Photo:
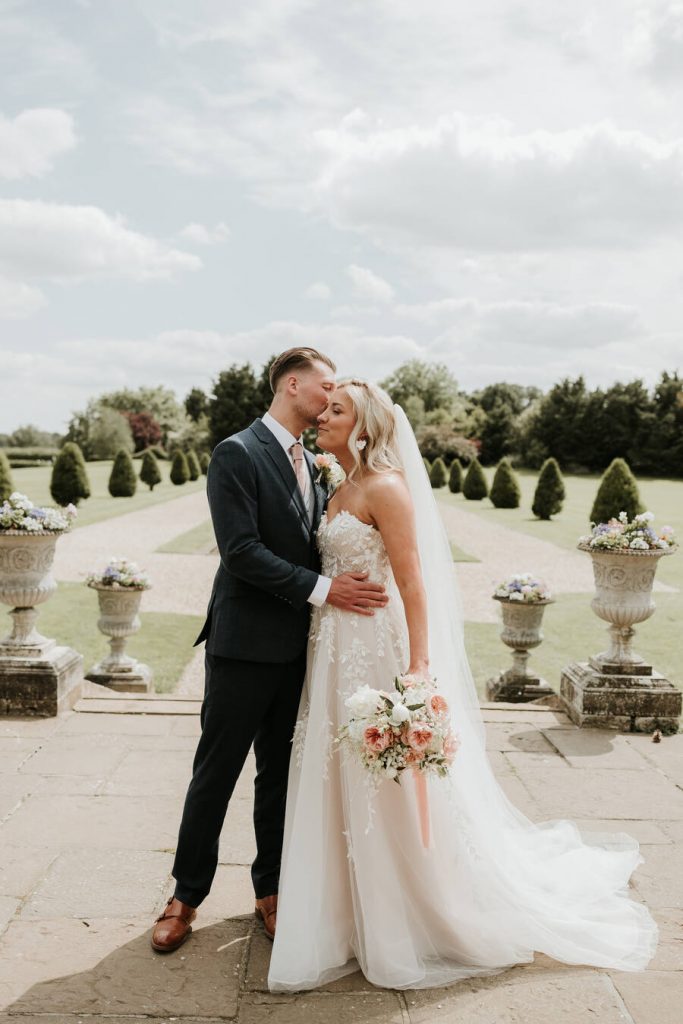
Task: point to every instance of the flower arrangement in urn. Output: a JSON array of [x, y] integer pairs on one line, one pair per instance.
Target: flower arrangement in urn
[[523, 586], [19, 513], [622, 534], [119, 574]]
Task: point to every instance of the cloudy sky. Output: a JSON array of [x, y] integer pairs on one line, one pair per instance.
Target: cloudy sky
[[188, 183]]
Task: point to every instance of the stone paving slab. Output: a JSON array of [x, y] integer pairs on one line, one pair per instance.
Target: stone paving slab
[[323, 1008], [627, 793], [660, 879], [652, 998], [597, 748]]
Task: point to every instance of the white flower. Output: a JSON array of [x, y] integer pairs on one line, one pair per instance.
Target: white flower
[[391, 773], [645, 517], [516, 596], [363, 702], [356, 729], [399, 714], [639, 543]]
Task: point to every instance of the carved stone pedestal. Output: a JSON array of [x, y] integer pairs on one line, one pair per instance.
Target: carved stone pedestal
[[601, 694], [118, 620], [41, 685]]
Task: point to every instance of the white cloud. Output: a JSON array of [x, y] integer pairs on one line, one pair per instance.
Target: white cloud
[[31, 141], [368, 285], [318, 290], [200, 234], [19, 300], [476, 183], [655, 42], [61, 242]]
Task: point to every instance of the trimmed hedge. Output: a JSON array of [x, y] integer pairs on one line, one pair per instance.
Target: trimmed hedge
[[475, 487], [550, 491], [438, 477], [455, 477], [69, 482], [505, 489], [193, 465], [149, 471], [618, 492], [204, 460], [122, 480], [180, 471], [6, 484]]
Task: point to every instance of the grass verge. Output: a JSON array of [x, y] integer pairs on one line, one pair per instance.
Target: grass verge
[[198, 541]]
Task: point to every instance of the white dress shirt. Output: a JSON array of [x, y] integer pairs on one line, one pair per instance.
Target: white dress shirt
[[318, 596]]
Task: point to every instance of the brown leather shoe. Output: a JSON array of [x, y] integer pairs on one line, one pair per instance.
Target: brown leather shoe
[[266, 909], [173, 927]]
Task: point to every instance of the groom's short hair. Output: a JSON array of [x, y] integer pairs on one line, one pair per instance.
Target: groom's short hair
[[295, 359]]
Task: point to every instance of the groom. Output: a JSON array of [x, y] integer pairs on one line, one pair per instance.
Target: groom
[[266, 506]]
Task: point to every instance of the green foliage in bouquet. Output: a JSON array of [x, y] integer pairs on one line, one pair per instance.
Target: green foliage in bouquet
[[122, 480], [475, 487], [193, 465], [550, 492], [69, 482], [149, 471], [438, 477], [6, 485], [505, 490], [618, 492], [455, 477], [180, 471]]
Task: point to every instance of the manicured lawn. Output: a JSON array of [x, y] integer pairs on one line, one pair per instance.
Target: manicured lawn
[[34, 482], [164, 641], [197, 541]]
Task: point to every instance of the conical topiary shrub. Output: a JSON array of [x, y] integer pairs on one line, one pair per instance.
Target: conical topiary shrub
[[180, 471], [149, 471], [204, 462], [193, 465], [475, 487], [505, 490], [618, 492], [438, 477], [69, 481], [455, 477], [550, 493], [6, 485], [122, 480], [428, 465]]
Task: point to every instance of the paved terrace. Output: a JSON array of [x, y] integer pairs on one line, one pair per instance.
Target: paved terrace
[[89, 807]]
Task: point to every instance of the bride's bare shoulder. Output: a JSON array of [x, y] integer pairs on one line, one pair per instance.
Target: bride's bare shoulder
[[389, 486]]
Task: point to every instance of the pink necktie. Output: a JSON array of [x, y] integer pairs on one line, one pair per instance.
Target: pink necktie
[[301, 470]]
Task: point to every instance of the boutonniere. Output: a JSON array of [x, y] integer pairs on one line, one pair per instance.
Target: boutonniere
[[330, 473]]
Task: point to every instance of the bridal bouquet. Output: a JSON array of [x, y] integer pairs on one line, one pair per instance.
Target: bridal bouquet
[[409, 728]]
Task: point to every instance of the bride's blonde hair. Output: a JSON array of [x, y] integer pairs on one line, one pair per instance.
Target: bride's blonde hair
[[376, 422]]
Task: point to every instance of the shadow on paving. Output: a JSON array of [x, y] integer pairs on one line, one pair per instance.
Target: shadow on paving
[[220, 974]]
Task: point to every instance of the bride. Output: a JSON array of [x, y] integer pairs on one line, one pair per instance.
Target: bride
[[358, 888]]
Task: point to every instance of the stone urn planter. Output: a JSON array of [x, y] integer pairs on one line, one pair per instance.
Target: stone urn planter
[[521, 632], [119, 619], [26, 581], [618, 687], [37, 675]]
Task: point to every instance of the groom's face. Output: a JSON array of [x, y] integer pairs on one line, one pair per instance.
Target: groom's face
[[314, 389]]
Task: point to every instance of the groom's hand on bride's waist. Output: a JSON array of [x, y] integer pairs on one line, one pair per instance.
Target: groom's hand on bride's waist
[[353, 592]]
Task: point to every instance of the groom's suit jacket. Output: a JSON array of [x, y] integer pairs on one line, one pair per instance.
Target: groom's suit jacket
[[259, 608]]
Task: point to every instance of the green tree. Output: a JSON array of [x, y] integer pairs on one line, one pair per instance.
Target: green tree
[[235, 402], [193, 465], [438, 477], [432, 382], [475, 487], [196, 404], [550, 491], [611, 422], [180, 471], [149, 470], [455, 477], [108, 433], [441, 442], [160, 402], [69, 482], [505, 490], [658, 445], [497, 434], [204, 460], [414, 409], [558, 423], [618, 492], [30, 436], [122, 480], [428, 465], [6, 484]]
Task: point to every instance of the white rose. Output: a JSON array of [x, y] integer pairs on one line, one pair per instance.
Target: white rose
[[516, 596], [356, 730], [399, 714], [363, 702]]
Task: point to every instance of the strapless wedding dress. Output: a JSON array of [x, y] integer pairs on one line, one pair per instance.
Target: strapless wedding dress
[[357, 886]]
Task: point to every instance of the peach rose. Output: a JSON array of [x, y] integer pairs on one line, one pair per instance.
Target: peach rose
[[419, 736], [376, 740], [439, 704], [413, 756]]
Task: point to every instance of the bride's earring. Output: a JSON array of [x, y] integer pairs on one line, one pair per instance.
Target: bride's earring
[[361, 443]]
